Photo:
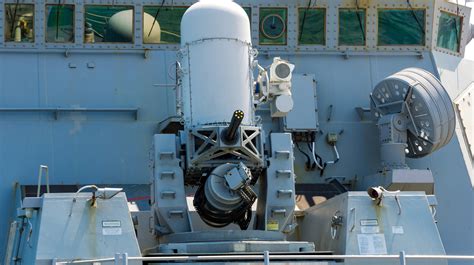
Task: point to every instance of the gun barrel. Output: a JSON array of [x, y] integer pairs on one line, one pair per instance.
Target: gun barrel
[[231, 131]]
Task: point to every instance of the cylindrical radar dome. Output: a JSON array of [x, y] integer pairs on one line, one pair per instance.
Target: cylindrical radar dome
[[120, 28], [421, 96], [216, 63]]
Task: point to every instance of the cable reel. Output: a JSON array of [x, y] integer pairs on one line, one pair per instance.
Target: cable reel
[[422, 108]]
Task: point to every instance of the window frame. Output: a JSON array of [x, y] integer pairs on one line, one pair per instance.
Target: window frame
[[366, 16], [325, 9], [461, 25], [260, 25], [133, 43], [143, 28], [46, 42], [13, 42], [425, 35], [248, 14]]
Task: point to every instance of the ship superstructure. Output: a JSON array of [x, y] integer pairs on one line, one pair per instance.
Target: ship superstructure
[[242, 132]]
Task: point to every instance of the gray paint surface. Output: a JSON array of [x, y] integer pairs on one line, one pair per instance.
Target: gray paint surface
[[100, 148]]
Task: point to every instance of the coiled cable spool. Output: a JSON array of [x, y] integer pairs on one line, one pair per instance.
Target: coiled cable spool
[[429, 111]]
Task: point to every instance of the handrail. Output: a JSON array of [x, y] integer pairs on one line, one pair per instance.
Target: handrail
[[56, 111], [266, 257], [40, 176]]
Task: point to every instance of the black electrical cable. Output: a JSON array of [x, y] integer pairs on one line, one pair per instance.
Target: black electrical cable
[[322, 170], [304, 20], [456, 24], [360, 21], [156, 16], [58, 12], [14, 18], [422, 28], [308, 160], [18, 246]]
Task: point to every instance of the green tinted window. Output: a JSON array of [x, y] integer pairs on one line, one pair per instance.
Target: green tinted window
[[59, 23], [352, 27], [312, 26], [108, 24], [273, 26], [449, 31], [168, 19], [19, 23], [248, 10], [401, 27]]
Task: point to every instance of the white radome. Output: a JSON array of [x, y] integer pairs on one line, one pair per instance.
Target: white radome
[[216, 62]]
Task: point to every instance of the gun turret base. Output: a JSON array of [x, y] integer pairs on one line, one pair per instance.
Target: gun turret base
[[230, 241]]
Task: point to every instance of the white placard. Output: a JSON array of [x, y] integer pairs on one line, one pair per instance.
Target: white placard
[[371, 222], [369, 229], [110, 223], [372, 244], [397, 230], [111, 231]]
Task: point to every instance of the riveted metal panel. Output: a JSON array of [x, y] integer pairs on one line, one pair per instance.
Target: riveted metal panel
[[428, 6], [65, 45], [369, 26], [459, 10], [2, 22], [331, 44], [36, 25]]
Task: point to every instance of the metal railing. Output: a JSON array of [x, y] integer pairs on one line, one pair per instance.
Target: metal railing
[[265, 257]]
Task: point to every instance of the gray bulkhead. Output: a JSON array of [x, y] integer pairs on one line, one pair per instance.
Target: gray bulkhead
[[113, 147]]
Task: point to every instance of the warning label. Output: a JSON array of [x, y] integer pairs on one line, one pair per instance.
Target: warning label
[[372, 244], [272, 225]]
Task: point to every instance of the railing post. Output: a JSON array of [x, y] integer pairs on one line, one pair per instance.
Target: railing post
[[403, 259], [40, 176], [121, 259], [125, 259], [266, 257]]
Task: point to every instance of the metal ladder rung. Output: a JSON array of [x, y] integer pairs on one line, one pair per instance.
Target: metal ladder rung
[[278, 212], [283, 173], [165, 194], [284, 192], [165, 174], [176, 213], [282, 154], [166, 155]]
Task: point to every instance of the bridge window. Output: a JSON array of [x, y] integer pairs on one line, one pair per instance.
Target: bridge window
[[162, 24], [273, 26], [352, 30], [401, 27], [449, 31], [248, 10], [108, 24], [312, 26], [19, 23], [60, 23]]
